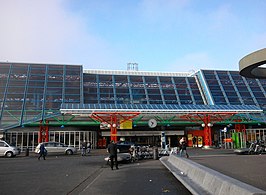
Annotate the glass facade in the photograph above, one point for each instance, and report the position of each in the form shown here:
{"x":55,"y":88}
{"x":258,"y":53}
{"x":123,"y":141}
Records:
{"x":134,"y":89}
{"x":229,"y":88}
{"x":33,"y":92}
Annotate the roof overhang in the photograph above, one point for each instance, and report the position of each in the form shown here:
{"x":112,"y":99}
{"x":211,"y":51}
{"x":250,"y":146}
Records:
{"x":87,"y":109}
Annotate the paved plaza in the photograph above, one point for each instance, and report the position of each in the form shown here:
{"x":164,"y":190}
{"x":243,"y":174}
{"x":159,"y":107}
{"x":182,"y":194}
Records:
{"x":84,"y":175}
{"x":91,"y":175}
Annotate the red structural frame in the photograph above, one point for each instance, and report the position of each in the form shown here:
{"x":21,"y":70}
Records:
{"x":208,"y":119}
{"x":112,"y":119}
{"x":43,"y":132}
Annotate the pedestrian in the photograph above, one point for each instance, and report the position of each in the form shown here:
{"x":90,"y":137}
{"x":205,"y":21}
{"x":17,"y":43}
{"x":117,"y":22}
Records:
{"x":42,"y":152}
{"x":194,"y":141}
{"x":112,"y":149}
{"x":83,"y":148}
{"x":89,"y":147}
{"x":183,"y":147}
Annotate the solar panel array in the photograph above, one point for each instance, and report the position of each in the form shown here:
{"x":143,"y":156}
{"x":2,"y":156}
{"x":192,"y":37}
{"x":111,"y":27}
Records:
{"x":83,"y":108}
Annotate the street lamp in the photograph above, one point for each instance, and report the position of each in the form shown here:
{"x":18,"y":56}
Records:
{"x":209,"y":124}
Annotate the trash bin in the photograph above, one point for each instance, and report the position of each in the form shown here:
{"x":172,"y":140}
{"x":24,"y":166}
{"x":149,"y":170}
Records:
{"x":27,"y":152}
{"x":155,"y":153}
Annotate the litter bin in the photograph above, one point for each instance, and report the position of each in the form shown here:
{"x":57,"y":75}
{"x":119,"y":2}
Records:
{"x":27,"y":152}
{"x":155,"y":153}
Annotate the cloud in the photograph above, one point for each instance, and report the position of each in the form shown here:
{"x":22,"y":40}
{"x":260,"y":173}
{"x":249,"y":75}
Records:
{"x":107,"y":35}
{"x":259,"y":41}
{"x":43,"y":32}
{"x":156,"y":11}
{"x":192,"y":62}
{"x":222,"y":18}
{"x":30,"y":31}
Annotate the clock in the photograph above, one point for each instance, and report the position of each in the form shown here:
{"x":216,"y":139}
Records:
{"x":152,"y":123}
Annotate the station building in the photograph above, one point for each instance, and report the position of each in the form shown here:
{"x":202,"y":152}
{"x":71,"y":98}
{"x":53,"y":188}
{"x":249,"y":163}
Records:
{"x":69,"y":104}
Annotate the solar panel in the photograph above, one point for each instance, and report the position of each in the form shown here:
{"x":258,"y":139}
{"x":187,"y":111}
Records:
{"x":159,"y":107}
{"x":126,"y":106}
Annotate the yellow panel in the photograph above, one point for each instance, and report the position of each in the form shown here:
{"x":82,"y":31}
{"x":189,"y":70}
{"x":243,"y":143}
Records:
{"x":126,"y":124}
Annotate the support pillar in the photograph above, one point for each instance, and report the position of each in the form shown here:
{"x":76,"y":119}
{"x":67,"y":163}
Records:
{"x":113,"y":127}
{"x":241,"y":128}
{"x":207,"y":131}
{"x":43,"y":132}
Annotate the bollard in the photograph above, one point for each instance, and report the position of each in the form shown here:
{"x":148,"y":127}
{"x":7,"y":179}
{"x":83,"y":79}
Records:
{"x":155,"y":153}
{"x":27,"y":152}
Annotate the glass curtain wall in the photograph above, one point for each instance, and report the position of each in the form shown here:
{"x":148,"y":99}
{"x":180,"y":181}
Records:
{"x":138,"y":90}
{"x":242,"y":89}
{"x":14,"y":87}
{"x":122,"y":89}
{"x":258,"y":91}
{"x":153,"y":90}
{"x":125,"y":89}
{"x":168,"y":90}
{"x":91,"y":87}
{"x":228,"y":87}
{"x":195,"y":91}
{"x":34,"y":92}
{"x":182,"y":89}
{"x":214,"y":87}
{"x":106,"y":85}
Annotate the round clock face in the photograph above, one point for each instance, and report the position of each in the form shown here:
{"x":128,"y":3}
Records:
{"x":152,"y":123}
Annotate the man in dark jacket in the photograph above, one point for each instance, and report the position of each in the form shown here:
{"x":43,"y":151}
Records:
{"x":183,"y":147}
{"x":112,"y":149}
{"x":42,"y":152}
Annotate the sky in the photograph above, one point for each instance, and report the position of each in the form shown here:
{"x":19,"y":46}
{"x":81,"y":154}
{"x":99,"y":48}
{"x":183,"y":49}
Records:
{"x":158,"y":35}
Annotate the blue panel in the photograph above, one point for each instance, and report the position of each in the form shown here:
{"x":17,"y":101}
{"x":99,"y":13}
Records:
{"x":137,"y":107}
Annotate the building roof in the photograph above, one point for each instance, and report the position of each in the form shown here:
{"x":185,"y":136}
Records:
{"x":142,"y":73}
{"x":157,"y":108}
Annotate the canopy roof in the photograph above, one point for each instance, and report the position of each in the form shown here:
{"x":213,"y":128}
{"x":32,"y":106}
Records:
{"x":77,"y":109}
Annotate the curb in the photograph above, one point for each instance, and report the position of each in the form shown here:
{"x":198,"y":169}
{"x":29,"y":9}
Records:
{"x":199,"y":179}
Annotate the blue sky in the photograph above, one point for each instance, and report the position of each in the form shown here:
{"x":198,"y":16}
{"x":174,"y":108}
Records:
{"x":159,"y":35}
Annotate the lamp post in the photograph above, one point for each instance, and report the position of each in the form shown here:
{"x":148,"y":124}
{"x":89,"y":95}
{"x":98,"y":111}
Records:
{"x":225,"y":143}
{"x":113,"y":127}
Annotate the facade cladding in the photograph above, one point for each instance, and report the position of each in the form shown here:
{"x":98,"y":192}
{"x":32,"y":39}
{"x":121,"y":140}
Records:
{"x":209,"y":87}
{"x":33,"y":93}
{"x":139,"y":89}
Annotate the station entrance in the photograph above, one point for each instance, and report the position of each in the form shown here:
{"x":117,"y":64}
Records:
{"x":113,"y":117}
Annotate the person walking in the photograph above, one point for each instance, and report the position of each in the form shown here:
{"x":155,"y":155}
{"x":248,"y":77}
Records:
{"x":83,"y":148}
{"x":194,"y":141}
{"x":89,"y":147}
{"x":183,"y":147}
{"x":42,"y":152}
{"x":112,"y":149}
